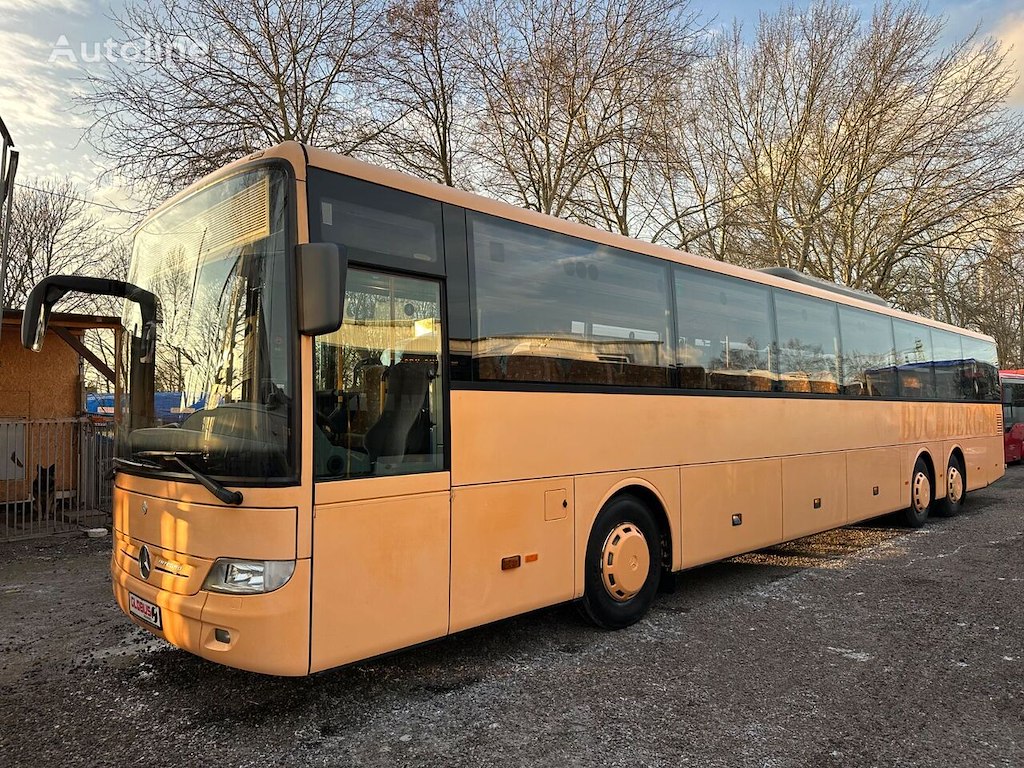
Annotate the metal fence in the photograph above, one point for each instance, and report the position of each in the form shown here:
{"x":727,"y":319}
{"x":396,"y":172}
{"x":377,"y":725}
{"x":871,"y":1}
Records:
{"x":54,"y":476}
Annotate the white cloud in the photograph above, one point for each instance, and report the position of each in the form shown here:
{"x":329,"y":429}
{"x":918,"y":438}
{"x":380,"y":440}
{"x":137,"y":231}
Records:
{"x":22,"y":7}
{"x":1010,"y":32}
{"x":35,"y":93}
{"x":37,"y":98}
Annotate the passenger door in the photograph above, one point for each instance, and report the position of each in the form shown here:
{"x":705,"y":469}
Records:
{"x":381,"y":529}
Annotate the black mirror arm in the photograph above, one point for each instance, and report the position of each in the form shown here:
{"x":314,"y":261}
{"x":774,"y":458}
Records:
{"x":52,"y":289}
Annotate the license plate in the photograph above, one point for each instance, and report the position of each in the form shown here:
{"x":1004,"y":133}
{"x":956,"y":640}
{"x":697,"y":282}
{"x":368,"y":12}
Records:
{"x":145,"y":610}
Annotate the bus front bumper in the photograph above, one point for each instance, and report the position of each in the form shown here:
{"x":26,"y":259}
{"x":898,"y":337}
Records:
{"x":267,"y":633}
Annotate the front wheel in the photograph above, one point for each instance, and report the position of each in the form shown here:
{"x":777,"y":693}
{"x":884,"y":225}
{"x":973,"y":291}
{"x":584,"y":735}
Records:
{"x":921,"y":495}
{"x":623,"y":565}
{"x":956,"y":489}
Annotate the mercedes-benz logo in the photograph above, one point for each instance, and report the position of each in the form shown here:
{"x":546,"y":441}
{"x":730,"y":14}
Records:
{"x":145,"y":562}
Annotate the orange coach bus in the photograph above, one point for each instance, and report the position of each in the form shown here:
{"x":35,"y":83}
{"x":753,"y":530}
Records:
{"x":407,"y":410}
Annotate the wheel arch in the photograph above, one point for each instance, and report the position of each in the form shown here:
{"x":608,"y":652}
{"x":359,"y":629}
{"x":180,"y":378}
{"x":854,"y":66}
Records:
{"x":951,"y":502}
{"x":957,"y":452}
{"x":656,"y":488}
{"x":648,"y":495}
{"x":925,"y":454}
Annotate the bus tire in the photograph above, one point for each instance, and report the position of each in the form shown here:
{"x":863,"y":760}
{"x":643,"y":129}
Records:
{"x":956,"y":488}
{"x":922,"y":495}
{"x":623,"y":566}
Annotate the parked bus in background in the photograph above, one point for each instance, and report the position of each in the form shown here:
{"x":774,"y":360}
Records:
{"x":1012,"y":383}
{"x":419,"y":410}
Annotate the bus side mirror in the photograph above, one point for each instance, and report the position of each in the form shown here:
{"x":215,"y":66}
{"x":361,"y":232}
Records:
{"x":321,"y":270}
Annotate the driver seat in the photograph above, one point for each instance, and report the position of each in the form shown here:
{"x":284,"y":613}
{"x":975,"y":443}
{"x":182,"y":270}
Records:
{"x":404,"y":423}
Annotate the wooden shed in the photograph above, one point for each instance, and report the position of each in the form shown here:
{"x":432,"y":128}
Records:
{"x":50,"y":450}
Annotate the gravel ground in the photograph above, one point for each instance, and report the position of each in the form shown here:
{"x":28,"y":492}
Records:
{"x":868,"y":646}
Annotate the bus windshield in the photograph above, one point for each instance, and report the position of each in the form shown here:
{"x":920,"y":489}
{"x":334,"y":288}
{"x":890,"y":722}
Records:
{"x":217,"y":387}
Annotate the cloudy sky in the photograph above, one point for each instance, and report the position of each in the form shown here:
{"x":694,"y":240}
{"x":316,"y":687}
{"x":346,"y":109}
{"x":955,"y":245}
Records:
{"x":38,"y":78}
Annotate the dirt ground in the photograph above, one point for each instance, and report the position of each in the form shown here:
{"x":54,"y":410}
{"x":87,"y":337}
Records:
{"x":867,"y":646}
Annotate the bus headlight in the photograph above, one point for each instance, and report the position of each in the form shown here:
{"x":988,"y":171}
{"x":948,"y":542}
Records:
{"x":248,"y":577}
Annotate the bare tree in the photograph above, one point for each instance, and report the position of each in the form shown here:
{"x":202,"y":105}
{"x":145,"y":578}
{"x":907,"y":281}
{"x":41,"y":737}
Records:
{"x":114,"y":263}
{"x":930,"y":158}
{"x":982,"y":286}
{"x":218,"y":79}
{"x":51,"y":232}
{"x":557,"y":80}
{"x":845,"y":149}
{"x":423,"y":91}
{"x":622,"y":182}
{"x":694,"y":204}
{"x":999,"y":297}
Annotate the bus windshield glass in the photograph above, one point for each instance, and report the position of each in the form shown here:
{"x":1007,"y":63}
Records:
{"x":216,"y":389}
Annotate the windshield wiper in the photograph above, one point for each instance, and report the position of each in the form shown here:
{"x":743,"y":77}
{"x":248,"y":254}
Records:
{"x":134,"y":463}
{"x":213,"y":486}
{"x":118,"y":461}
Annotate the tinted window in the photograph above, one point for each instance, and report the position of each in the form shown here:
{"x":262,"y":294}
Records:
{"x":378,"y":225}
{"x":947,"y":357}
{"x":723,"y":332}
{"x":808,"y":339}
{"x":981,"y":368}
{"x":914,"y":359}
{"x":1013,"y":404}
{"x":868,"y":358}
{"x":378,"y":396}
{"x":551,"y":308}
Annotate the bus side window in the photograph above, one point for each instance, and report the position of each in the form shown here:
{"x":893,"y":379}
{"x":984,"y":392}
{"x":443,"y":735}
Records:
{"x":982,"y":359}
{"x":724,"y":332}
{"x":952,"y":379}
{"x":869,"y":367}
{"x":555,"y":309}
{"x":914,"y":360}
{"x":808,"y":340}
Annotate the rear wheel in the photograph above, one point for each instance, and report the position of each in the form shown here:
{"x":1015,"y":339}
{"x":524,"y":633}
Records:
{"x":956,"y":488}
{"x":921,"y":495}
{"x":623,"y":565}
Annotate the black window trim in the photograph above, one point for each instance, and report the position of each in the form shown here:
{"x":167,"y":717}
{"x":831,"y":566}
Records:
{"x":318,"y":184}
{"x":456,"y":270}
